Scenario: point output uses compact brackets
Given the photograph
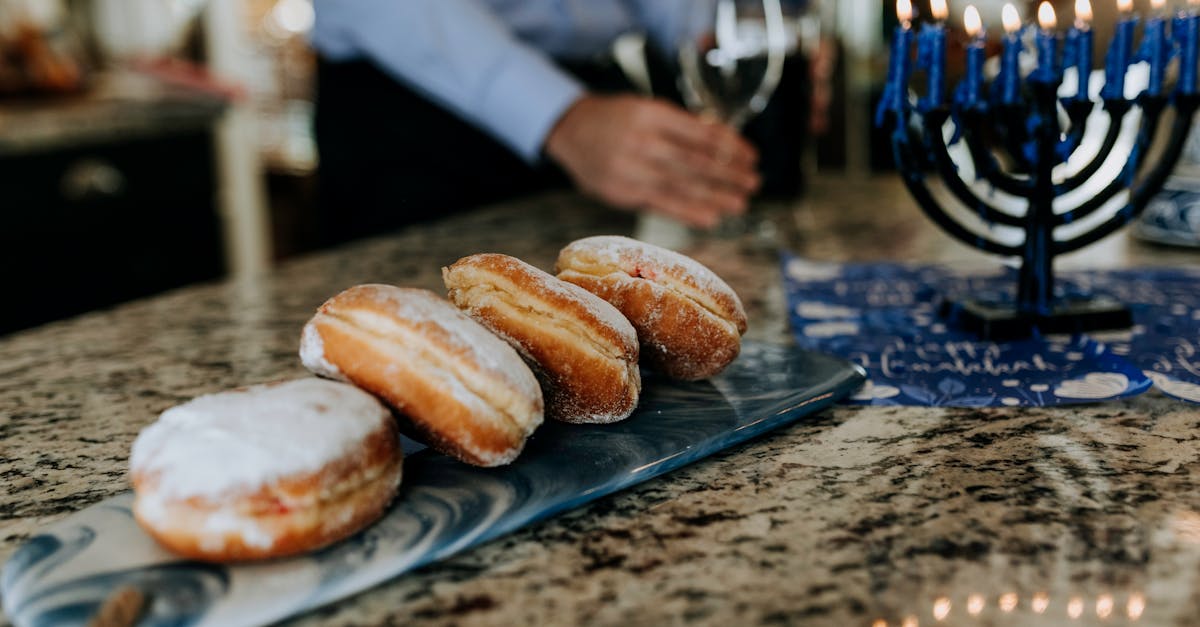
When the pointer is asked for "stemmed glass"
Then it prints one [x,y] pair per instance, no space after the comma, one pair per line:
[730,61]
[730,66]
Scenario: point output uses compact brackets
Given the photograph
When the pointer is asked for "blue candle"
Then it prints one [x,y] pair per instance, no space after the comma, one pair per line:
[1079,46]
[1116,62]
[1047,47]
[931,56]
[896,90]
[1185,29]
[1154,49]
[968,92]
[1009,80]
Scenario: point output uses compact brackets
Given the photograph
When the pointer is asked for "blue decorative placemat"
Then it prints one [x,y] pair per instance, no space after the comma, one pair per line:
[883,317]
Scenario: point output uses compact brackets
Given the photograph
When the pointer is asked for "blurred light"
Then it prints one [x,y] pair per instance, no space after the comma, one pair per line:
[1083,13]
[904,11]
[1157,4]
[293,16]
[971,21]
[910,621]
[1075,607]
[1136,605]
[975,604]
[879,622]
[1008,601]
[941,608]
[1104,605]
[1040,602]
[939,10]
[1125,6]
[1010,18]
[1046,18]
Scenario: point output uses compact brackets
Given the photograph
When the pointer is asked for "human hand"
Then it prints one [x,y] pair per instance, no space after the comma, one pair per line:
[635,152]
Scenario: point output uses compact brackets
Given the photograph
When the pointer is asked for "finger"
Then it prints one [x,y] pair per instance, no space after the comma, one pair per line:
[700,195]
[646,193]
[739,178]
[704,134]
[667,203]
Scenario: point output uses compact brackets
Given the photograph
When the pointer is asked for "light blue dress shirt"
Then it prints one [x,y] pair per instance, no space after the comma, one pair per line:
[489,61]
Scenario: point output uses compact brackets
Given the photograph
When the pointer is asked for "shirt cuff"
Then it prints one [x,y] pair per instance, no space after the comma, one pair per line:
[524,99]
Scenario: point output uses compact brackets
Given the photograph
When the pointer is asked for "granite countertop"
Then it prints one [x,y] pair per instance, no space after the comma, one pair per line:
[857,516]
[118,106]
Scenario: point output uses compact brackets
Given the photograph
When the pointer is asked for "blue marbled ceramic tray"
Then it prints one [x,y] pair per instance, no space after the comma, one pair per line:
[61,576]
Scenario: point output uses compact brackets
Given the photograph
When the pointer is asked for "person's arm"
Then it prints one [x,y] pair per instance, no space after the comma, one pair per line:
[667,23]
[631,152]
[460,55]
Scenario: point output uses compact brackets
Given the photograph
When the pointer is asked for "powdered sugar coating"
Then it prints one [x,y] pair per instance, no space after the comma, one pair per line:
[422,307]
[312,355]
[594,305]
[647,261]
[235,442]
[560,299]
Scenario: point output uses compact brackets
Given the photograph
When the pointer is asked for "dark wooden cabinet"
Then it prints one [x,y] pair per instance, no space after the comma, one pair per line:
[89,226]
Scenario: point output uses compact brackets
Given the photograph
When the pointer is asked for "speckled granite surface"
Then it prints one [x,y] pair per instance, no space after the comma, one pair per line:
[118,106]
[1000,517]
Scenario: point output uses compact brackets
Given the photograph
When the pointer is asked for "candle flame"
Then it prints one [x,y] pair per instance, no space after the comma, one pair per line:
[1125,6]
[1046,18]
[904,11]
[1136,605]
[939,9]
[971,21]
[1083,11]
[941,608]
[1011,19]
[1075,607]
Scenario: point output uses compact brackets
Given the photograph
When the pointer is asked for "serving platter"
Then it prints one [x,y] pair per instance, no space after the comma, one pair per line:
[64,574]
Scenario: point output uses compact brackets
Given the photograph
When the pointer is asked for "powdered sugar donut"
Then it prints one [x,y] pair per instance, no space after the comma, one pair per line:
[582,350]
[265,471]
[463,390]
[688,320]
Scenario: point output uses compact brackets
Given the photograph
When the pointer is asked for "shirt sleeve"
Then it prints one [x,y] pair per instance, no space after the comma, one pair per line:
[668,22]
[458,54]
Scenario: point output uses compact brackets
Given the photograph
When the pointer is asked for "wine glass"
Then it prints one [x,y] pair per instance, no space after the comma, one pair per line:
[730,66]
[730,62]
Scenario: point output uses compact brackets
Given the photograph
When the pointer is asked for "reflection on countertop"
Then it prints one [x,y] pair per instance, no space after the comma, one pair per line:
[860,516]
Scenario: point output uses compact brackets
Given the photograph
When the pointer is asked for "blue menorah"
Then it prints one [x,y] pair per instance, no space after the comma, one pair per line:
[1017,132]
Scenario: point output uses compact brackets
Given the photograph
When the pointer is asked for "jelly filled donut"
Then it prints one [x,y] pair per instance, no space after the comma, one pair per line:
[463,390]
[688,320]
[265,471]
[582,350]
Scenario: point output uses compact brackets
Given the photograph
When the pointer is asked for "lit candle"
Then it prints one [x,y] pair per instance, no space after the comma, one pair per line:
[1079,45]
[1010,59]
[1155,47]
[931,54]
[1186,31]
[1047,46]
[1116,62]
[896,92]
[968,92]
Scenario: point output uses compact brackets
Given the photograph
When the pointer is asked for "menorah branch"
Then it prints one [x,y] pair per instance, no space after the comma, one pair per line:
[1116,114]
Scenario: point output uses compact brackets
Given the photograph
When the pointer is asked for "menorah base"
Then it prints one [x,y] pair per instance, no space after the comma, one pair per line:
[1000,322]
